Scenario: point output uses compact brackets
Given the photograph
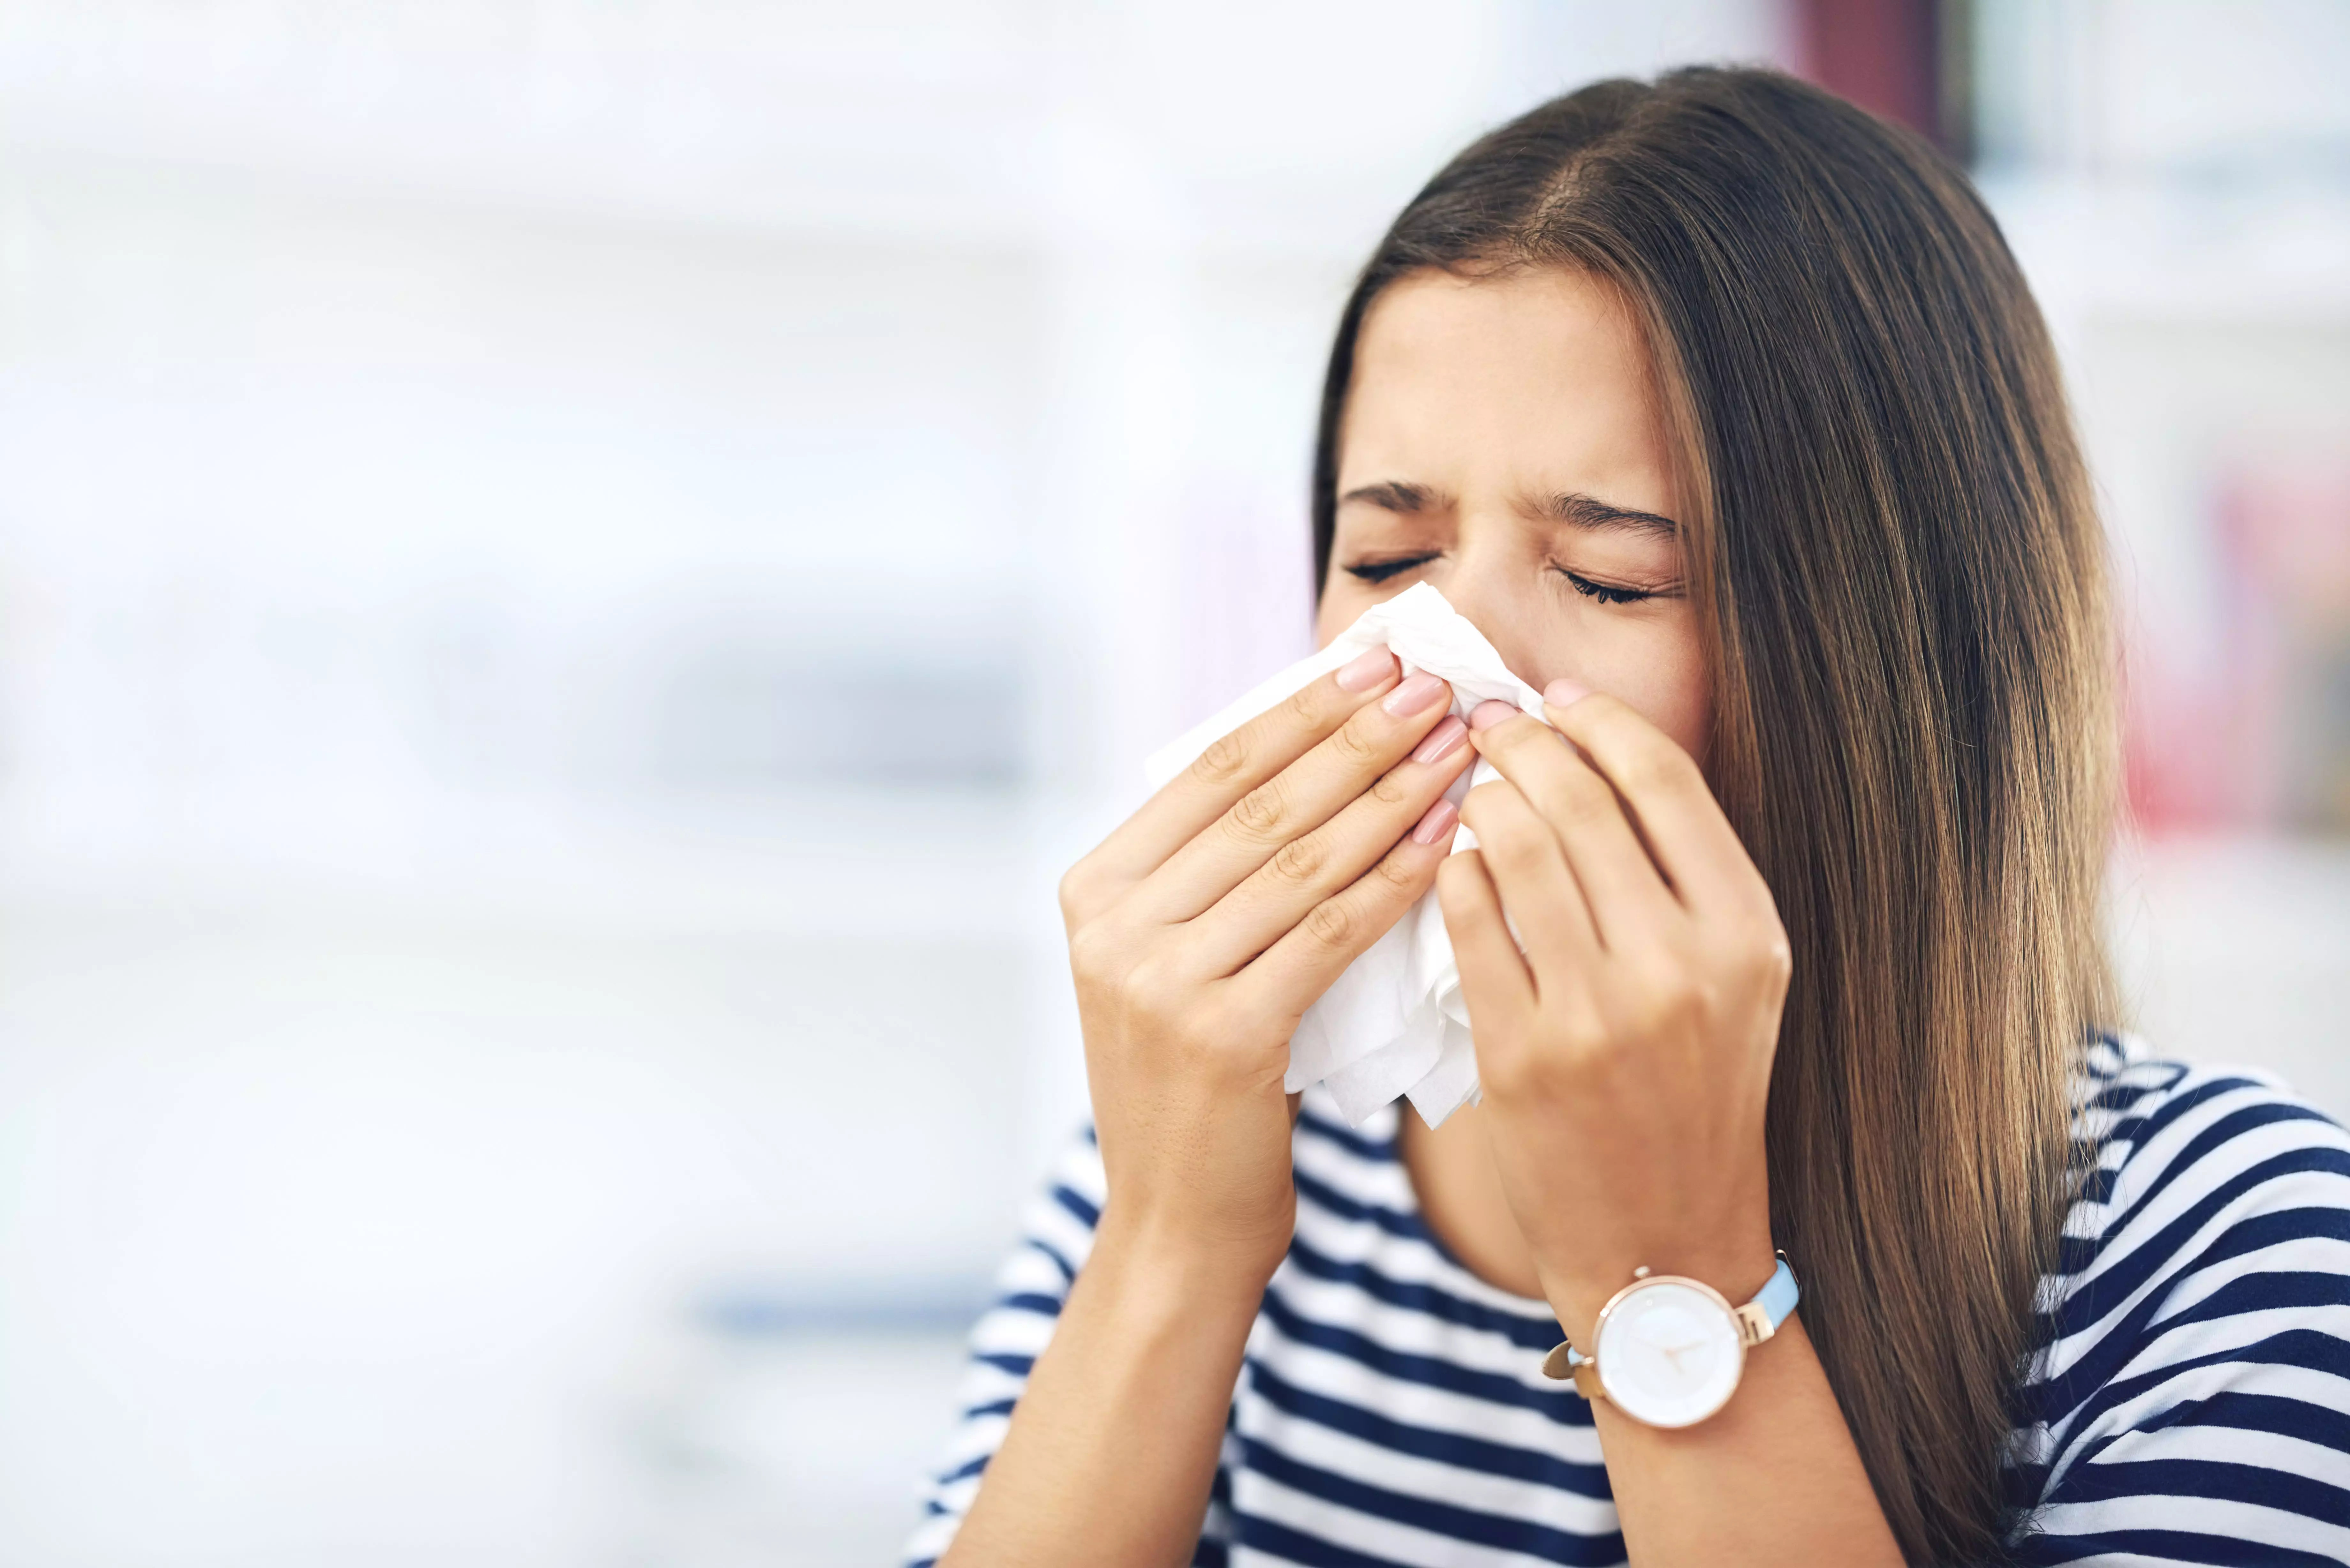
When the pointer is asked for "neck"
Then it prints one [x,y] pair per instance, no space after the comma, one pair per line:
[1460,1198]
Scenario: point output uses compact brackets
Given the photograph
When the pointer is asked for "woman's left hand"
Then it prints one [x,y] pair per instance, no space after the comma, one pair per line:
[1626,1053]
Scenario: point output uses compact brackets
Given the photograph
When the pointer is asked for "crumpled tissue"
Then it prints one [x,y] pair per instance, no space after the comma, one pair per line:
[1393,1023]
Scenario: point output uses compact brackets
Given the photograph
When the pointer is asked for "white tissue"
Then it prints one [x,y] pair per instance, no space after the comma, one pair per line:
[1393,1023]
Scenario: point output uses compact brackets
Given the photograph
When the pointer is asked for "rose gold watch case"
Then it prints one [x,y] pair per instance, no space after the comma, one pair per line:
[1742,1326]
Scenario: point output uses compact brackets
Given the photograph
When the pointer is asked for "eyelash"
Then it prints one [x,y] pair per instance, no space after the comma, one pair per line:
[1376,572]
[1380,571]
[1605,593]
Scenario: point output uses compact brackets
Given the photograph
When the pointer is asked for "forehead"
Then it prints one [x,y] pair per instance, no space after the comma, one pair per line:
[1535,377]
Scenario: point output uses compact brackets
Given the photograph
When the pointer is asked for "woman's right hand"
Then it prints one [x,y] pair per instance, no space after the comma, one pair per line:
[1204,927]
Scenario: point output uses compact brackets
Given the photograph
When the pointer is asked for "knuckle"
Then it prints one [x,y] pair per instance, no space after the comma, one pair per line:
[1390,791]
[1353,747]
[1765,954]
[1075,891]
[1395,874]
[1304,706]
[1260,813]
[1089,952]
[1225,761]
[1149,982]
[1330,925]
[1300,860]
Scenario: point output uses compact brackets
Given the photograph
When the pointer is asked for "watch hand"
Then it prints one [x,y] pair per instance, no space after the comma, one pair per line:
[1674,1353]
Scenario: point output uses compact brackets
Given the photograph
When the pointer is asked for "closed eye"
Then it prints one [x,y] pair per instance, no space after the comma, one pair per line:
[1605,593]
[1380,571]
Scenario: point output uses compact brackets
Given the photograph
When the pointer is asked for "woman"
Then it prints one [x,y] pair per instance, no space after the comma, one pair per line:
[1722,409]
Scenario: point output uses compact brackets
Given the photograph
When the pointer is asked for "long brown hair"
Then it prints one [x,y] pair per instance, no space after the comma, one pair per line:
[1891,544]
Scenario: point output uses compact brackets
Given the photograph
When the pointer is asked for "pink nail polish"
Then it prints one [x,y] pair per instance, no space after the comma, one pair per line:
[1565,693]
[1365,671]
[1437,823]
[1485,715]
[1441,741]
[1414,695]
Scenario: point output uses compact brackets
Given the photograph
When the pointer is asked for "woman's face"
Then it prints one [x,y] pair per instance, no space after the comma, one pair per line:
[1504,441]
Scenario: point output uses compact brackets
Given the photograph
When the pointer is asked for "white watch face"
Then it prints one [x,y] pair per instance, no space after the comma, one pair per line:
[1670,1353]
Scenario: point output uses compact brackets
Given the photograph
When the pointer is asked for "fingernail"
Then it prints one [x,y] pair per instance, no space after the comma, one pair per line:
[1365,671]
[1437,823]
[1440,740]
[1565,693]
[1414,695]
[1485,715]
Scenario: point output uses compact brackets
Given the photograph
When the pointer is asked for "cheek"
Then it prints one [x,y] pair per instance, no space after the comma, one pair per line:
[1664,680]
[1655,664]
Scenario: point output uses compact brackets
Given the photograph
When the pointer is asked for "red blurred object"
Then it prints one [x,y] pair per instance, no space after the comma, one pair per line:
[2253,731]
[1893,57]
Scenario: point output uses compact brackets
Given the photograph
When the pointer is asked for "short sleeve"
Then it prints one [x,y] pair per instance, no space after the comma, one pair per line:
[1057,1237]
[2194,1401]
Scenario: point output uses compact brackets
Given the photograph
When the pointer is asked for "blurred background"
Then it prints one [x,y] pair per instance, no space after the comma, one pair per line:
[571,571]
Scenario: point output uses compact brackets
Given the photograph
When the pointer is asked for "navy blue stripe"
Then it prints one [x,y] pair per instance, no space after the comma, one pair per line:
[2166,1546]
[1394,1221]
[1567,1409]
[1017,1366]
[2262,1292]
[1087,1215]
[1273,1539]
[1477,1454]
[2219,1479]
[2236,1124]
[1427,1300]
[1052,1255]
[2305,1348]
[966,1470]
[1443,1519]
[2273,1413]
[1377,1150]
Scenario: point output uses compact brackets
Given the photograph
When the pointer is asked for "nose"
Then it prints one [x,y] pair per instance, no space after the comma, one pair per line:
[1505,600]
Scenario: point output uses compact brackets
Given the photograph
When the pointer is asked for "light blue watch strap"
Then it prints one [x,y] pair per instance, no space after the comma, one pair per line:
[1776,1302]
[1778,1296]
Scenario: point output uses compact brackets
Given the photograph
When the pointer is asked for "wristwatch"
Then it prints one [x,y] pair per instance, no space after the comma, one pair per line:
[1668,1351]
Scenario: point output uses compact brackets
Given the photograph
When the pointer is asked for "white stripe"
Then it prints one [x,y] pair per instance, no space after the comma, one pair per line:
[1506,1497]
[1258,1494]
[1336,1376]
[2229,1521]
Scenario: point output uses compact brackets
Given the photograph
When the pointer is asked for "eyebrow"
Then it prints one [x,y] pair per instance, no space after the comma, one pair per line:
[1582,511]
[1393,495]
[1570,507]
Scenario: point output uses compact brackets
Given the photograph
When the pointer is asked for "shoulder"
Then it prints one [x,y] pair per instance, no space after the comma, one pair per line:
[2196,1334]
[2176,1152]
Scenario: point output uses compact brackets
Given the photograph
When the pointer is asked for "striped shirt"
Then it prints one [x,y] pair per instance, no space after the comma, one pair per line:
[2191,1403]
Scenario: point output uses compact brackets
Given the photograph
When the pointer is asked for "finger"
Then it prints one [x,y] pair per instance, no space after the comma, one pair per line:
[1238,764]
[1303,872]
[1624,889]
[1294,801]
[1293,973]
[1527,866]
[1494,982]
[1666,792]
